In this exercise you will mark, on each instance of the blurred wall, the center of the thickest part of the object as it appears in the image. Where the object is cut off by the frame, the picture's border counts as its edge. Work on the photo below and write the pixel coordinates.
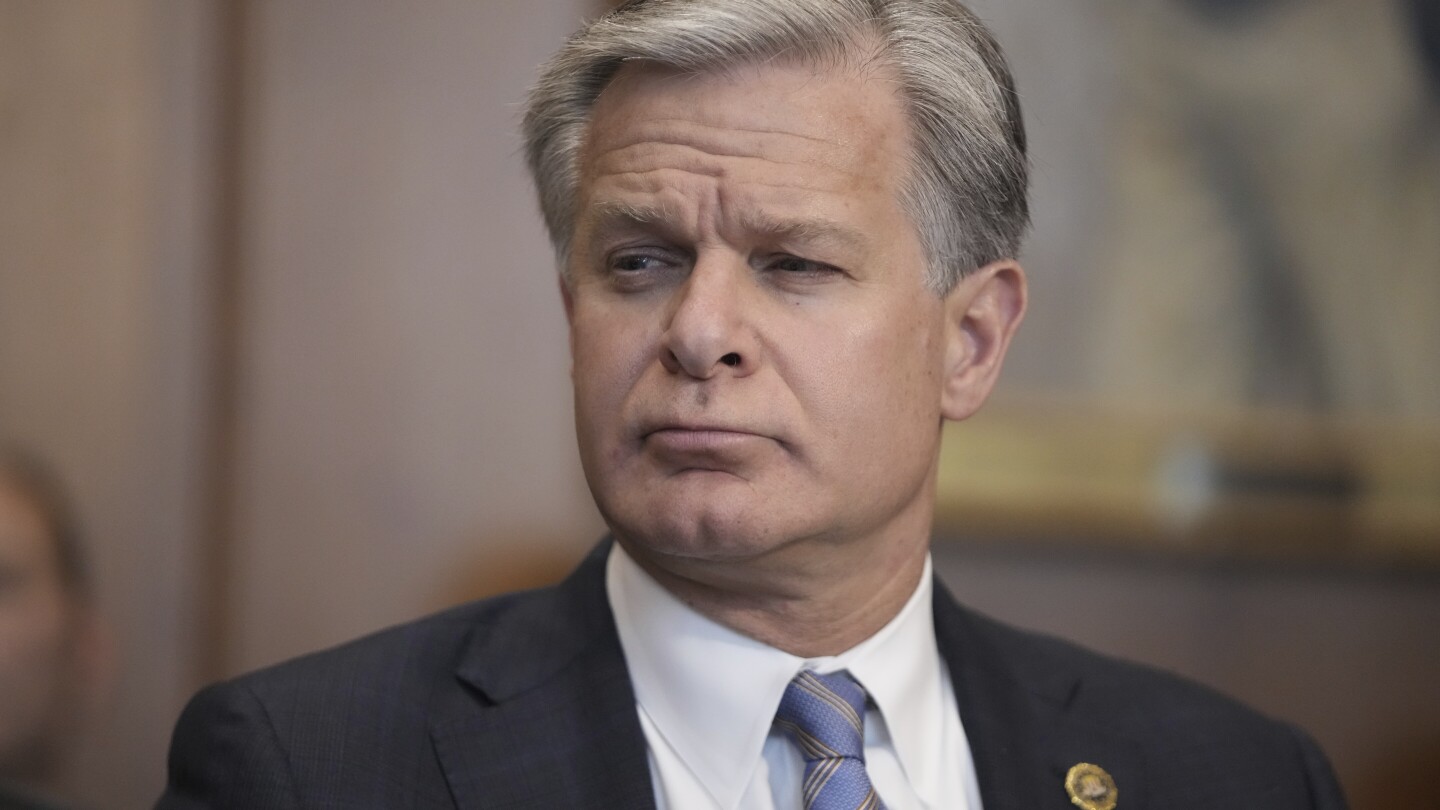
(404, 404)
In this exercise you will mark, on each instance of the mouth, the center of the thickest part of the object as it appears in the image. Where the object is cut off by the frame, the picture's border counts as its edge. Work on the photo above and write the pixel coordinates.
(704, 444)
(699, 437)
(699, 431)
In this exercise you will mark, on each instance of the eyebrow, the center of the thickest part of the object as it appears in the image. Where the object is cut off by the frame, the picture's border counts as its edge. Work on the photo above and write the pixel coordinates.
(805, 231)
(615, 214)
(611, 216)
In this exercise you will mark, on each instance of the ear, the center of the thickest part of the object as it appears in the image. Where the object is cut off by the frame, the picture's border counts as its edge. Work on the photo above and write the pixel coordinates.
(982, 313)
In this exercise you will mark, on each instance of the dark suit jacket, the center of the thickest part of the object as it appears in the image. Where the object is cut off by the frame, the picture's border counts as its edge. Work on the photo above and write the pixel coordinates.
(524, 701)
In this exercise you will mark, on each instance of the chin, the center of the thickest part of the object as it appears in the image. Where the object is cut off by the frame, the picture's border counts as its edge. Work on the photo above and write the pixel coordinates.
(711, 531)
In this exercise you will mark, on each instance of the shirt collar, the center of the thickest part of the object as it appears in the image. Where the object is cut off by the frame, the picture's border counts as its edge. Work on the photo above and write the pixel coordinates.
(712, 693)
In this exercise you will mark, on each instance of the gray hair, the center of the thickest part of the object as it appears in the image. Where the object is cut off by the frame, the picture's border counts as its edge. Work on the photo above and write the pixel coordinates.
(966, 189)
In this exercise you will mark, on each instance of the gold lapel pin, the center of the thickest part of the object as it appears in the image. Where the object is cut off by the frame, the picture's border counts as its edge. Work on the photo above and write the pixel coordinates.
(1091, 788)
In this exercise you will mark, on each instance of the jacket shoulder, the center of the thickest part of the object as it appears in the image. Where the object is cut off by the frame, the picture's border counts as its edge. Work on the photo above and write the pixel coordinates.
(398, 662)
(350, 723)
(1112, 691)
(1188, 734)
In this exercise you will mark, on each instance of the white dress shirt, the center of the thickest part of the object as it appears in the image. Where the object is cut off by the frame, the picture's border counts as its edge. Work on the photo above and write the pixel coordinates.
(706, 696)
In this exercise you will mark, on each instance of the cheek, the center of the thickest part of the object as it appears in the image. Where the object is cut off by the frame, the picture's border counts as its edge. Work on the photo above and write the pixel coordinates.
(593, 350)
(609, 354)
(871, 383)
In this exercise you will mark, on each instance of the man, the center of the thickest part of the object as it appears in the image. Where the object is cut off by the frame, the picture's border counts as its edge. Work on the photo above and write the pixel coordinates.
(51, 648)
(785, 231)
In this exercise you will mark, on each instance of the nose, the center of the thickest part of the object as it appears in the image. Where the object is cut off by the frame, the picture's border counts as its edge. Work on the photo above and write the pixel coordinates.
(711, 330)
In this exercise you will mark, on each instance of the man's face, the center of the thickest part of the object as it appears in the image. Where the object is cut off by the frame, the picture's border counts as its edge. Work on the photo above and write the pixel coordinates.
(37, 638)
(756, 358)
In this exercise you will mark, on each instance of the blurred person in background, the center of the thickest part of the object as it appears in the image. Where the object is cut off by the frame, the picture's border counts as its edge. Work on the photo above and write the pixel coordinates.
(52, 651)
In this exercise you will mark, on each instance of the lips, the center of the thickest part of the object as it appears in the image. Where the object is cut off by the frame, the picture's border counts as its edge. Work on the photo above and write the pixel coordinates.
(704, 446)
(700, 439)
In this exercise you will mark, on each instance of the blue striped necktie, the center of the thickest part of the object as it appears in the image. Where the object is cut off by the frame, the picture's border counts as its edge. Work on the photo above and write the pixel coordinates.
(825, 717)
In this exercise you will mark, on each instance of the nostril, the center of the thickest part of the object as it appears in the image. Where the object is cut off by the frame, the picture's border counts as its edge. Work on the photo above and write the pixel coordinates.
(732, 359)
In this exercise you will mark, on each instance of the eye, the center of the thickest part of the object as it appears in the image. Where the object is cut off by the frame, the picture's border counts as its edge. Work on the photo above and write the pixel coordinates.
(796, 267)
(636, 262)
(643, 260)
(634, 269)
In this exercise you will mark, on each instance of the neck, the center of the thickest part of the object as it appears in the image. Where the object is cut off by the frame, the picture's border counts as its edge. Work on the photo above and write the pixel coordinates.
(807, 601)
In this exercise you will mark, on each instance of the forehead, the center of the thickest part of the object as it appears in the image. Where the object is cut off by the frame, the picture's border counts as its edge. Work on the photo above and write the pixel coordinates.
(792, 123)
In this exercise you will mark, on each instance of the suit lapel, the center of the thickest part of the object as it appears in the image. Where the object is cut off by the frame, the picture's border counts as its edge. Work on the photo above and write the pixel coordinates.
(1018, 718)
(543, 713)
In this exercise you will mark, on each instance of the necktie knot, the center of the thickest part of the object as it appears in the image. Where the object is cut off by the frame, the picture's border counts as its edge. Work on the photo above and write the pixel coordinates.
(825, 717)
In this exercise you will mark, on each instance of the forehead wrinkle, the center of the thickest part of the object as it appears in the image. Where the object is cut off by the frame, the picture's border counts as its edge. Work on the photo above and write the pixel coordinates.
(622, 210)
(684, 122)
(853, 160)
(720, 140)
(649, 209)
(688, 157)
(654, 180)
(755, 223)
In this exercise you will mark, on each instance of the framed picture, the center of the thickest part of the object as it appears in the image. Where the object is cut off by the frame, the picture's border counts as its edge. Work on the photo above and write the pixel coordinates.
(1233, 345)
